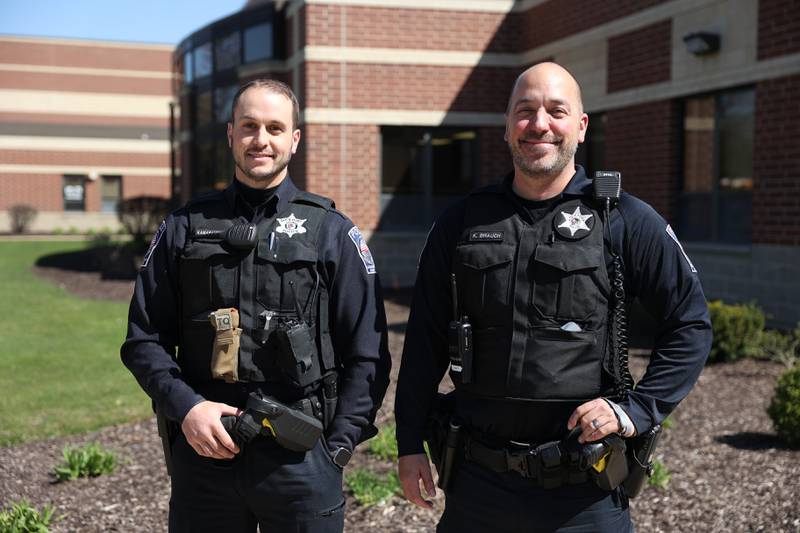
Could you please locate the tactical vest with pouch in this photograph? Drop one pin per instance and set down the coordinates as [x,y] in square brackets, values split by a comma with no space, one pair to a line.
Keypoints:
[537,297]
[276,286]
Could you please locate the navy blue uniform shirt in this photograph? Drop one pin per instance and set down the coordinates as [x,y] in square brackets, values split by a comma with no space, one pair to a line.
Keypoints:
[358,321]
[657,271]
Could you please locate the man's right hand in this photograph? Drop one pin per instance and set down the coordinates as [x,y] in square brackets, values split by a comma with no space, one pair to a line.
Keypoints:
[412,469]
[204,431]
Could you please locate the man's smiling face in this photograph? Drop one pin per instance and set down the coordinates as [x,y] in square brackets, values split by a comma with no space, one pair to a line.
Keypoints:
[262,137]
[544,121]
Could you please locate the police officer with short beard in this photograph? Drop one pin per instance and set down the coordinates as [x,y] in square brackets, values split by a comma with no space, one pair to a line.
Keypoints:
[527,260]
[259,291]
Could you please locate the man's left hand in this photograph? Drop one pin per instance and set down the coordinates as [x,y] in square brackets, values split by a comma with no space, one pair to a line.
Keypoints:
[596,418]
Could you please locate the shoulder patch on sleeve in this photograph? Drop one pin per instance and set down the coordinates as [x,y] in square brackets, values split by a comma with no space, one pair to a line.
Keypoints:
[363,249]
[671,233]
[153,243]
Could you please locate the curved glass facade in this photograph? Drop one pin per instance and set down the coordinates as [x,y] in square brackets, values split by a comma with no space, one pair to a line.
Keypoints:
[210,64]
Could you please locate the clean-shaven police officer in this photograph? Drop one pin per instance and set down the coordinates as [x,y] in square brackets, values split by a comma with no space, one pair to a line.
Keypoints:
[529,258]
[259,289]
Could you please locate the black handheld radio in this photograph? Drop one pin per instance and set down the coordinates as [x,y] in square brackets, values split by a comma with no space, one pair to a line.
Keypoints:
[459,333]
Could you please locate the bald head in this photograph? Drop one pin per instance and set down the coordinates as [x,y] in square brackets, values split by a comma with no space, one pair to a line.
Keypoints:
[550,74]
[545,123]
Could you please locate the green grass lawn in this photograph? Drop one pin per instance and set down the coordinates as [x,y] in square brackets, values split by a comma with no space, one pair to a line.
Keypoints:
[60,371]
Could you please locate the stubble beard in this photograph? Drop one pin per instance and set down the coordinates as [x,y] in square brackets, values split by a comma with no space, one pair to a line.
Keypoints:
[259,177]
[540,167]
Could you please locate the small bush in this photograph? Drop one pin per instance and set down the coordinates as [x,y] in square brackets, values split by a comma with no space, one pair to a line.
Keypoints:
[369,488]
[384,445]
[22,518]
[784,409]
[89,461]
[661,475]
[140,216]
[667,422]
[21,217]
[737,330]
[783,348]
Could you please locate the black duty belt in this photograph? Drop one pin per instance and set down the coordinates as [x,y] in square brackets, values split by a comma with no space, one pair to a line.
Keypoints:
[547,463]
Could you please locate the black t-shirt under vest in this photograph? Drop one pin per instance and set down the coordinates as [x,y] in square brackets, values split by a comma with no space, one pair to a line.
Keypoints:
[536,294]
[263,284]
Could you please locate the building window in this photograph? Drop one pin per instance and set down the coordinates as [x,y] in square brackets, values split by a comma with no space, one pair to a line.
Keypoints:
[716,204]
[204,170]
[74,190]
[223,99]
[258,42]
[188,72]
[224,166]
[423,170]
[203,61]
[111,193]
[203,108]
[591,153]
[227,51]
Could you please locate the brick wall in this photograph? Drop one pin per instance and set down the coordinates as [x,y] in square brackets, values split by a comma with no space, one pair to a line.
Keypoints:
[776,169]
[372,27]
[94,84]
[53,118]
[778,28]
[642,143]
[423,87]
[133,185]
[78,54]
[342,162]
[42,191]
[75,69]
[640,57]
[557,19]
[88,159]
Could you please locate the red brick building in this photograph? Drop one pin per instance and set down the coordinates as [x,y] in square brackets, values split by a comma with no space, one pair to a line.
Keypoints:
[82,125]
[695,102]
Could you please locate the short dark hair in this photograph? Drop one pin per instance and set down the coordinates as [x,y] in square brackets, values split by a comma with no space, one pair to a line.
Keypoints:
[273,86]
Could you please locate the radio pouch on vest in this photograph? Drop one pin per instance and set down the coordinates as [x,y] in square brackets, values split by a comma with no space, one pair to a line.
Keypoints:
[225,354]
[296,348]
[296,353]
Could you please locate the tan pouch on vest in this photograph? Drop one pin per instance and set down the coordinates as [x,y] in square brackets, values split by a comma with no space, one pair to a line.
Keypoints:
[225,354]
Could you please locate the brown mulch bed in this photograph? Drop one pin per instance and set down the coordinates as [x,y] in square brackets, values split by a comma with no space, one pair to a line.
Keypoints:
[729,471]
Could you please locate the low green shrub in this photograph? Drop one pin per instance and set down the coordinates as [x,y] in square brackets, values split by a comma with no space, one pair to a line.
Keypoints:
[661,475]
[737,330]
[781,347]
[370,488]
[89,461]
[384,445]
[784,409]
[22,518]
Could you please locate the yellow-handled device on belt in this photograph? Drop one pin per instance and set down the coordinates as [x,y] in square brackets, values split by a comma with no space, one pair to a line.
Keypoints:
[291,428]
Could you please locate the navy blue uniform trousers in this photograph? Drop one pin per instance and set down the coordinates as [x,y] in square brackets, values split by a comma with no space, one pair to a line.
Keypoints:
[266,485]
[480,501]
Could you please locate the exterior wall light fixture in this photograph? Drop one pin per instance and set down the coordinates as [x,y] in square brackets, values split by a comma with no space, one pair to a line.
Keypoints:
[701,42]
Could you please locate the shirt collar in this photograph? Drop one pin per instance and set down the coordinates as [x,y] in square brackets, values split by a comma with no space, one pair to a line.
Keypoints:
[579,184]
[284,193]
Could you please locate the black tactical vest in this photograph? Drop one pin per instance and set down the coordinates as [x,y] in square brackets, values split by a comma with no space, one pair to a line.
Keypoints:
[537,298]
[263,283]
